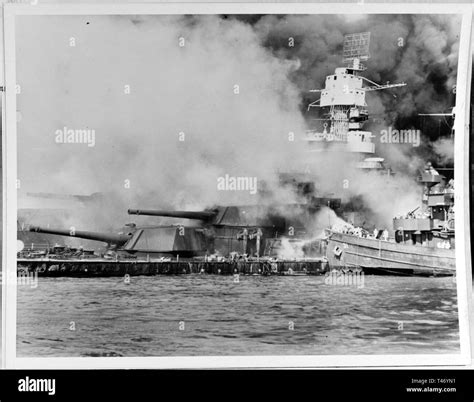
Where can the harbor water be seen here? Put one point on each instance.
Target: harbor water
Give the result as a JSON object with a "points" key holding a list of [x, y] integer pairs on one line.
{"points": [[218, 315]]}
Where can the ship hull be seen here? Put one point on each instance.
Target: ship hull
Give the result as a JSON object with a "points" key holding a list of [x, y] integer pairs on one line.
{"points": [[373, 256]]}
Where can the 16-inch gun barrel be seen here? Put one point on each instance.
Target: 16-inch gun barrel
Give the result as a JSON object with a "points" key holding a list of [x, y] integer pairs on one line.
{"points": [[198, 215], [111, 238]]}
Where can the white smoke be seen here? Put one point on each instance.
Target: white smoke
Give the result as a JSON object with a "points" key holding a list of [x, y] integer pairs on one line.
{"points": [[226, 94]]}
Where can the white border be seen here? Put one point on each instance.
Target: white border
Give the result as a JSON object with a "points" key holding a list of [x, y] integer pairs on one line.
{"points": [[461, 185], [461, 181], [3, 271], [9, 190]]}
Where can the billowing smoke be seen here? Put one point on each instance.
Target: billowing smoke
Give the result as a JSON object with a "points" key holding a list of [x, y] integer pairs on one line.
{"points": [[169, 120], [421, 51], [291, 248], [178, 102], [444, 149]]}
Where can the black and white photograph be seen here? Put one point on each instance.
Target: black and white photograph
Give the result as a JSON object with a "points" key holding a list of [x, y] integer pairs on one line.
{"points": [[239, 185]]}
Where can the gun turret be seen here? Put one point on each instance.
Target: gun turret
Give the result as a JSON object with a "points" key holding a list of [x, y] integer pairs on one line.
{"points": [[205, 215], [110, 238]]}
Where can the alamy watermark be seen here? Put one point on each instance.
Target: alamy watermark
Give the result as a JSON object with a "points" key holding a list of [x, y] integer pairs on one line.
{"points": [[75, 136], [392, 136], [23, 278], [28, 384], [239, 183], [345, 278]]}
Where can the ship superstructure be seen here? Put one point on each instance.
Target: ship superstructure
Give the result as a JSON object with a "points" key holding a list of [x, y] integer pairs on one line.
{"points": [[431, 225], [344, 98], [423, 243]]}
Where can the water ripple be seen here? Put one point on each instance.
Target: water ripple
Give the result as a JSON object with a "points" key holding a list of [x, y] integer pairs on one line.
{"points": [[212, 315]]}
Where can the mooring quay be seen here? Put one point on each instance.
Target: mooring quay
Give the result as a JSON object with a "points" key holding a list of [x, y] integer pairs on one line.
{"points": [[89, 268]]}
